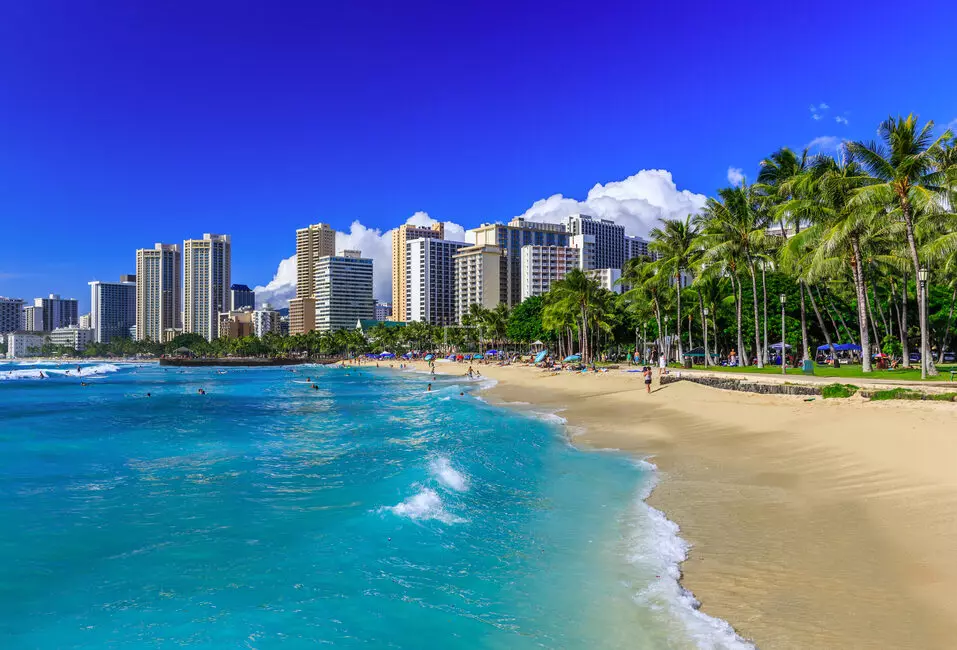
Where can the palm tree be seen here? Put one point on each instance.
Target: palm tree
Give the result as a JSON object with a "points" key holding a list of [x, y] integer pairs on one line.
{"points": [[909, 184], [578, 290], [677, 246]]}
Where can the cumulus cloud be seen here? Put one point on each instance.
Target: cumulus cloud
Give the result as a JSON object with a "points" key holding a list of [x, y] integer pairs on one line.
{"points": [[735, 175], [840, 120], [637, 202], [825, 143]]}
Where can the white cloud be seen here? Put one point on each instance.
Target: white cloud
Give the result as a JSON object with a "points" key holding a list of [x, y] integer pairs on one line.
{"points": [[735, 175], [817, 116], [825, 143], [637, 202], [823, 106], [841, 120]]}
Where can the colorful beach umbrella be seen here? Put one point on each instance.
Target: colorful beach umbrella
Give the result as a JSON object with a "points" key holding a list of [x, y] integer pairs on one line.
{"points": [[573, 357], [541, 356]]}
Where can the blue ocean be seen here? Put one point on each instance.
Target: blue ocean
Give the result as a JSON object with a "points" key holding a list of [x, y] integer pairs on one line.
{"points": [[313, 506]]}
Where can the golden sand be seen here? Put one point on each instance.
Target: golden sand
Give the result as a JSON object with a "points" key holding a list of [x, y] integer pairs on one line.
{"points": [[813, 524]]}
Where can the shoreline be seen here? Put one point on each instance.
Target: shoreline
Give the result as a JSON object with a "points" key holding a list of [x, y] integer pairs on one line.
{"points": [[811, 524]]}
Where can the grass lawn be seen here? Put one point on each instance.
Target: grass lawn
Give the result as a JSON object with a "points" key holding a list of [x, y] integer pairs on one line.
{"points": [[911, 374]]}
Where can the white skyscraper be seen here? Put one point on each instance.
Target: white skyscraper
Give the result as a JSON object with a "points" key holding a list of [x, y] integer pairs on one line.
{"points": [[481, 278], [112, 308], [206, 282], [265, 320], [430, 280], [158, 292], [343, 291], [610, 248], [543, 265]]}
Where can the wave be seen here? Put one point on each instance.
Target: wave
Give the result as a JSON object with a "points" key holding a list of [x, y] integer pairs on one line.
{"points": [[447, 475], [657, 547], [84, 371], [423, 506]]}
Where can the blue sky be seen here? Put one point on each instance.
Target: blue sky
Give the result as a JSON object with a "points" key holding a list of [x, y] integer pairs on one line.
{"points": [[123, 124]]}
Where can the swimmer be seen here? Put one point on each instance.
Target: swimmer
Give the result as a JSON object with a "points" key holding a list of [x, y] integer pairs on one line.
{"points": [[461, 394], [83, 383], [148, 395], [315, 387], [430, 388]]}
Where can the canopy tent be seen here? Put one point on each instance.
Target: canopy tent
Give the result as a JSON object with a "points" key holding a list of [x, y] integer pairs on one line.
{"points": [[541, 356], [777, 346], [696, 352], [183, 352], [840, 347], [491, 353], [572, 358], [537, 343]]}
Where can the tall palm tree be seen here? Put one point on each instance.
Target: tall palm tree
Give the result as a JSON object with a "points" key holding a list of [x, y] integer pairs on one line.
{"points": [[909, 184], [580, 290], [677, 246], [736, 228]]}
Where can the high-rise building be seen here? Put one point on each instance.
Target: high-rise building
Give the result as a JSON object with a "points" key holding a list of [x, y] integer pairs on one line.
{"points": [[610, 248], [32, 320], [159, 292], [510, 238], [543, 265], [241, 296], [608, 279], [585, 245], [112, 308], [481, 278], [636, 247], [430, 280], [383, 311], [57, 312], [11, 314], [343, 291], [400, 237], [206, 281], [265, 320], [312, 242], [86, 320], [236, 324]]}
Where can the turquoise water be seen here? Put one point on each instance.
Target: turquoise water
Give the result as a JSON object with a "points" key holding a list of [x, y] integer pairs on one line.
{"points": [[365, 514]]}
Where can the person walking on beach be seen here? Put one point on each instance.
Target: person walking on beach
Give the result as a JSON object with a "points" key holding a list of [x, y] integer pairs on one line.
{"points": [[661, 365], [646, 373]]}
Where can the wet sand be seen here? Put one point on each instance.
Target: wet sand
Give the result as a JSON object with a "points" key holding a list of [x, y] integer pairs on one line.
{"points": [[813, 524]]}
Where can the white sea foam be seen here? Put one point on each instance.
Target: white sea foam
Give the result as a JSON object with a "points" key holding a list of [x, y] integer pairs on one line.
{"points": [[658, 548], [85, 371], [424, 505], [447, 475]]}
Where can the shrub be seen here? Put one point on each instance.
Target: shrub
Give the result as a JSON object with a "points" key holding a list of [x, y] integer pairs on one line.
{"points": [[838, 390]]}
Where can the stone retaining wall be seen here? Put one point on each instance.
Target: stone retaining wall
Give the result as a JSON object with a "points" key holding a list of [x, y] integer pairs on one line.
{"points": [[745, 385]]}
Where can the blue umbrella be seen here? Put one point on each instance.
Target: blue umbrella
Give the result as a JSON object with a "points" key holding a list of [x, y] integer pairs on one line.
{"points": [[492, 352], [573, 357], [429, 357], [387, 355], [478, 356], [541, 356]]}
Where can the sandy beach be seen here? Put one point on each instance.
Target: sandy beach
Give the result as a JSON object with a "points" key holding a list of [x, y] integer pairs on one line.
{"points": [[813, 524]]}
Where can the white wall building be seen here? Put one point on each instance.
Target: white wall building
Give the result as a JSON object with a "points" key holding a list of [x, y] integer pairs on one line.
{"points": [[429, 280], [543, 265], [11, 314], [207, 264], [24, 344], [585, 245], [343, 290], [73, 337], [53, 312], [265, 320], [112, 308], [159, 294], [32, 320], [481, 278], [607, 278], [610, 248]]}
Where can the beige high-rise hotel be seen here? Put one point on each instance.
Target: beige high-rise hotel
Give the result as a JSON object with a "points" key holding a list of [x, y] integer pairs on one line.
{"points": [[159, 294], [312, 242], [400, 236], [207, 264]]}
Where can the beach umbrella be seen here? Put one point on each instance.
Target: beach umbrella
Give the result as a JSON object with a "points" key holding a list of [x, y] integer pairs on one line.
{"points": [[387, 355], [492, 352], [777, 346], [541, 356], [573, 357], [478, 356], [429, 357]]}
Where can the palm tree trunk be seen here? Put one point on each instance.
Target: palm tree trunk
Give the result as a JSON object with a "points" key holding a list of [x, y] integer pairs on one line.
{"points": [[704, 324], [905, 347], [738, 299], [950, 316], [858, 271], [921, 300], [873, 321], [759, 349], [804, 339], [820, 322], [764, 290], [678, 324]]}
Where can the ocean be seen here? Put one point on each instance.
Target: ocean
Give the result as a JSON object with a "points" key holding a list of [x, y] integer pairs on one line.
{"points": [[364, 513]]}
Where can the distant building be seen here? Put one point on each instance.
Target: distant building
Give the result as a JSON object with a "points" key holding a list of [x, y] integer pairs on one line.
{"points": [[610, 249], [11, 313], [241, 296], [24, 344], [159, 296], [511, 238], [32, 320], [607, 278], [481, 278], [73, 337], [585, 245], [207, 264], [236, 324], [543, 265], [112, 308], [343, 291], [86, 321], [636, 247], [429, 280], [312, 242], [266, 320], [400, 237], [57, 312], [383, 310]]}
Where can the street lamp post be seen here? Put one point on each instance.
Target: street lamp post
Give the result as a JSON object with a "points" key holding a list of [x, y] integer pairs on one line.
{"points": [[666, 347], [784, 367], [922, 276], [635, 357], [707, 353]]}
